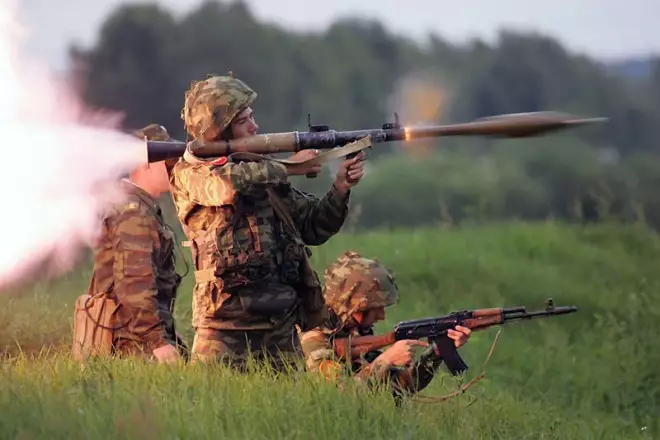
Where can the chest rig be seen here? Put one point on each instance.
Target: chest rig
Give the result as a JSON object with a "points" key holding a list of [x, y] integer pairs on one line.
{"points": [[242, 243]]}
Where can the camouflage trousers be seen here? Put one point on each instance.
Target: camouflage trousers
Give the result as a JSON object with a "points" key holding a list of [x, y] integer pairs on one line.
{"points": [[126, 347], [279, 349]]}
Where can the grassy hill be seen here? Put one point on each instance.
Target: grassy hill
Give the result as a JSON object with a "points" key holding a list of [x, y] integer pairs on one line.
{"points": [[592, 374]]}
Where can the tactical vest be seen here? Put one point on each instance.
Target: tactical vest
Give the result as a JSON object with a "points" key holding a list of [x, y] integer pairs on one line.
{"points": [[248, 249]]}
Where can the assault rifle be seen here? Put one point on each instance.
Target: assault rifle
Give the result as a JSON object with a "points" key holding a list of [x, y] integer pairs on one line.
{"points": [[435, 331], [322, 137]]}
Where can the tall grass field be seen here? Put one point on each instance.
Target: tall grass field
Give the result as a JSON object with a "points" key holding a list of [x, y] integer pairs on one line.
{"points": [[594, 374]]}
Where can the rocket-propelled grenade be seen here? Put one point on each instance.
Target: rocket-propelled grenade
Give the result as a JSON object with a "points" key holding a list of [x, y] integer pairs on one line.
{"points": [[514, 125]]}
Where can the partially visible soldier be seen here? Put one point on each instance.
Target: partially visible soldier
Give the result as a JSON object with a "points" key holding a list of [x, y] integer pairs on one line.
{"points": [[248, 230], [357, 291], [134, 265]]}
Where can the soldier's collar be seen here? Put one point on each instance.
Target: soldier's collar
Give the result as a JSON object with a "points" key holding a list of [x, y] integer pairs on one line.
{"points": [[136, 189]]}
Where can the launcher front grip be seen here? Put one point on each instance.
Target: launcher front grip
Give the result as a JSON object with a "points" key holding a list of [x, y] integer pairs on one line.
{"points": [[348, 156]]}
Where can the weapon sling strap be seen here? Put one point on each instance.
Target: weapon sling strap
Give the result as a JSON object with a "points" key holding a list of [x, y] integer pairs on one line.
{"points": [[283, 213], [463, 389]]}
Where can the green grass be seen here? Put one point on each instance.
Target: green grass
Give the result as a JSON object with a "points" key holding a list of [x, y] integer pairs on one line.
{"points": [[592, 374]]}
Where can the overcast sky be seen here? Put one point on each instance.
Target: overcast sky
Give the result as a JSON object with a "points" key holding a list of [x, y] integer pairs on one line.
{"points": [[606, 29]]}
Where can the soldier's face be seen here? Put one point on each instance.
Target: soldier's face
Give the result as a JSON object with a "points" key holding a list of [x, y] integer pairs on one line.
{"points": [[244, 124], [370, 316]]}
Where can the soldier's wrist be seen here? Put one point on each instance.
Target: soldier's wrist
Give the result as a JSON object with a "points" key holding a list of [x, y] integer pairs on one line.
{"points": [[339, 193], [379, 369], [159, 344]]}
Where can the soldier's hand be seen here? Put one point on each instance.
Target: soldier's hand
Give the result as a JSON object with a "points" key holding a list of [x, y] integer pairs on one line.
{"points": [[304, 168], [460, 336], [401, 353], [350, 172], [167, 354]]}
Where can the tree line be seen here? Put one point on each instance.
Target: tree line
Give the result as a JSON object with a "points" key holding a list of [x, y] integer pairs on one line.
{"points": [[356, 74]]}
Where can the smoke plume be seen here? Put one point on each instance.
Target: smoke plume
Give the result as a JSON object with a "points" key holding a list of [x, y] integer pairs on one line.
{"points": [[61, 163], [419, 98]]}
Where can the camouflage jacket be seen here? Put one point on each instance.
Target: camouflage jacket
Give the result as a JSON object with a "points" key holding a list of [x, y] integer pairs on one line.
{"points": [[247, 267], [134, 262], [320, 357]]}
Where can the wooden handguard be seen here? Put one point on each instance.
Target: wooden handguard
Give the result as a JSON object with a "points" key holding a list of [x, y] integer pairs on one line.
{"points": [[482, 323], [480, 313]]}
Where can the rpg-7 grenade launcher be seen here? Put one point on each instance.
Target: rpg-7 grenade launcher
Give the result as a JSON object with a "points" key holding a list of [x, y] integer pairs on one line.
{"points": [[322, 137]]}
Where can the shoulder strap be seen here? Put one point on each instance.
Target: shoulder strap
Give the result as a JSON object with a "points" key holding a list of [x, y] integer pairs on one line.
{"points": [[283, 213], [313, 301]]}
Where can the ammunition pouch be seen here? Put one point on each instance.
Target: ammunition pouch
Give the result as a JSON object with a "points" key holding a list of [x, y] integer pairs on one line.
{"points": [[93, 321], [290, 267], [271, 305], [244, 295], [236, 266]]}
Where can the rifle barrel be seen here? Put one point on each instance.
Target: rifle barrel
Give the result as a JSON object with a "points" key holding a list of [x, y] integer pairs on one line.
{"points": [[541, 313]]}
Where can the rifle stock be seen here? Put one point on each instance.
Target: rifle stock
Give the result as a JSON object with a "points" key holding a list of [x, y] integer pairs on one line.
{"points": [[361, 345]]}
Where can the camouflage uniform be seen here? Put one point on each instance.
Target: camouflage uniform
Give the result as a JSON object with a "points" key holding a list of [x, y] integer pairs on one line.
{"points": [[356, 284], [134, 262], [247, 296]]}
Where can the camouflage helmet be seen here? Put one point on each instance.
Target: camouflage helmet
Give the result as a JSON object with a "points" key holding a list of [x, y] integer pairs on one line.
{"points": [[153, 132], [355, 284], [210, 105]]}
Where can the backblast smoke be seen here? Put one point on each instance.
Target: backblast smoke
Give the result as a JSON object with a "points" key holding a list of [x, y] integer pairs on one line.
{"points": [[60, 168]]}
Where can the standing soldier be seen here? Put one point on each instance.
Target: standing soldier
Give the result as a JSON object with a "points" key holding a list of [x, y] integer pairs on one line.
{"points": [[357, 291], [249, 230], [128, 309]]}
